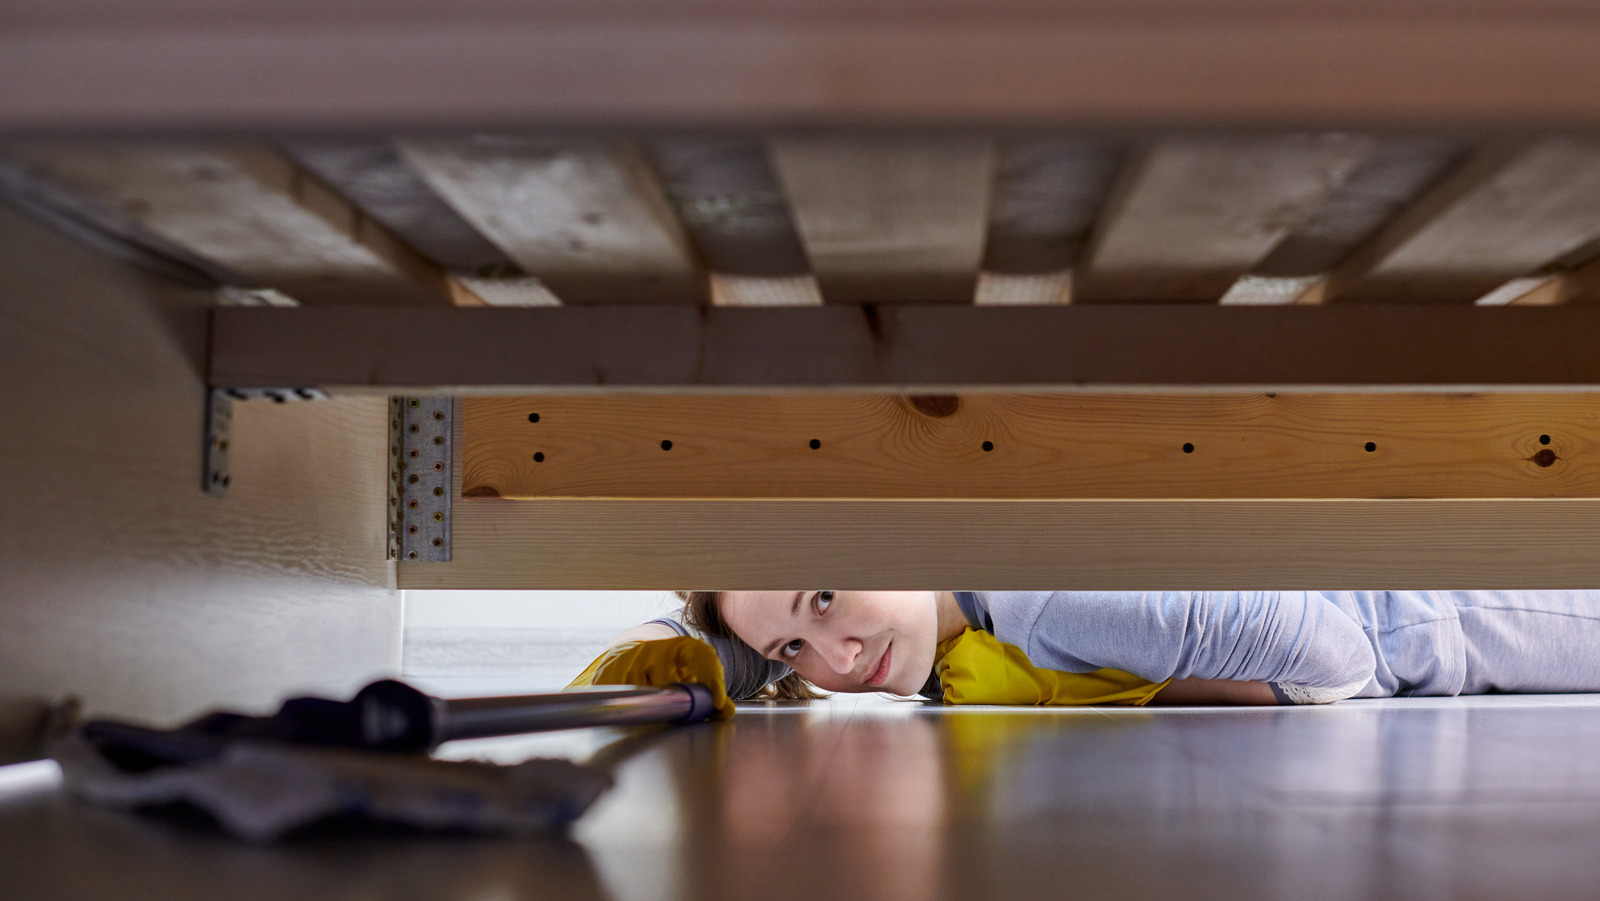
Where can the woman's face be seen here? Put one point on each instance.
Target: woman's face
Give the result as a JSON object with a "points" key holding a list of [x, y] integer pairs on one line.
{"points": [[841, 640]]}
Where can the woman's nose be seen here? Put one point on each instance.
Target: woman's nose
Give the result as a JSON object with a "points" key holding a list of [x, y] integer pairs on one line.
{"points": [[840, 654]]}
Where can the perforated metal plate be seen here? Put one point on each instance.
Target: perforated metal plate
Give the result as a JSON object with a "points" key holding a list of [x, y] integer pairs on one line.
{"points": [[215, 477], [419, 478]]}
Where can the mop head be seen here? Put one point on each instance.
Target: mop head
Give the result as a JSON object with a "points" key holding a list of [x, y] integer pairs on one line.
{"points": [[262, 791]]}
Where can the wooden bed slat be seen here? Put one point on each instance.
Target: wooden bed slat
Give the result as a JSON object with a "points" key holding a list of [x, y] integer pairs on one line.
{"points": [[1034, 446], [729, 200], [371, 174], [1505, 214], [249, 209], [920, 349], [1193, 215], [1106, 545], [1047, 194], [888, 219], [1399, 171], [589, 219]]}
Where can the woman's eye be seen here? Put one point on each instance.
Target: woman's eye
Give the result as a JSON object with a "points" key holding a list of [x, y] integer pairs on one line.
{"points": [[824, 598], [792, 648]]}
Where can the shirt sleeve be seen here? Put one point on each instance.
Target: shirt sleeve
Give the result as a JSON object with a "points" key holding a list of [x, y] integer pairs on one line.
{"points": [[1309, 649]]}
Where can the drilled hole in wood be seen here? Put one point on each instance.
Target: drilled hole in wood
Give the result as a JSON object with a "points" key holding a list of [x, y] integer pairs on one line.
{"points": [[988, 445], [815, 444], [533, 417], [538, 457], [666, 445], [1188, 448], [1371, 447], [1544, 439]]}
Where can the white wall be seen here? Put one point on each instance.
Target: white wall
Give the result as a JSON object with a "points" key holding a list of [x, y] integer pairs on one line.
{"points": [[463, 643], [614, 610], [122, 582]]}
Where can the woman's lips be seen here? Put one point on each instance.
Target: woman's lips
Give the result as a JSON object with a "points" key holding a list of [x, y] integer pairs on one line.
{"points": [[881, 674]]}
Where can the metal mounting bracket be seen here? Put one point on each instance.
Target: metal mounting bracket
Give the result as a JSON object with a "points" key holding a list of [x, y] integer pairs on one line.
{"points": [[215, 476], [419, 479]]}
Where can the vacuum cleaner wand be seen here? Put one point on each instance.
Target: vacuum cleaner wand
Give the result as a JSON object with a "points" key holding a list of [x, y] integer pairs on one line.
{"points": [[393, 716]]}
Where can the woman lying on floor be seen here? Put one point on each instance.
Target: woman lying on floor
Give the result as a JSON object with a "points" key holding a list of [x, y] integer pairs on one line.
{"points": [[1085, 647]]}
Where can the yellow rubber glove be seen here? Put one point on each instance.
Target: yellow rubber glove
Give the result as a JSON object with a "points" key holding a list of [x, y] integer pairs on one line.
{"points": [[977, 668], [661, 663]]}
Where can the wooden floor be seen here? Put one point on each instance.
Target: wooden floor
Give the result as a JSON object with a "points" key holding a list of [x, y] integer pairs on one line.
{"points": [[1415, 799]]}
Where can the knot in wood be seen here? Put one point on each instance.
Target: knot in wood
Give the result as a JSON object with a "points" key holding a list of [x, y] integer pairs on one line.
{"points": [[935, 405]]}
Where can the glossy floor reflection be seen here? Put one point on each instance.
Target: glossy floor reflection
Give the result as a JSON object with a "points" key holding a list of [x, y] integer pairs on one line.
{"points": [[1416, 799]]}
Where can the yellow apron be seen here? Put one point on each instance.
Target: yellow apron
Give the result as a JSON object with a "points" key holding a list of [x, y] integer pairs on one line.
{"points": [[977, 668]]}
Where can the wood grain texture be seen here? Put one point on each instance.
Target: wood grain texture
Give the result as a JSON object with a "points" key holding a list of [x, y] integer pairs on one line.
{"points": [[890, 219], [1193, 215], [588, 218], [1038, 447], [123, 582], [342, 66], [937, 349], [1110, 545], [249, 209], [1505, 214]]}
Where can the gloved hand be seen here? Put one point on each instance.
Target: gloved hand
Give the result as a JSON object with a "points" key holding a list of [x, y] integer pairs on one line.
{"points": [[661, 663], [977, 668]]}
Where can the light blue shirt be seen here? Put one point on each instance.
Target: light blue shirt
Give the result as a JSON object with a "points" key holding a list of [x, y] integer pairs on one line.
{"points": [[1311, 646]]}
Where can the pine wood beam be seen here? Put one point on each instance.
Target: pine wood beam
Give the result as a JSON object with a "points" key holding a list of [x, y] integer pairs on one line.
{"points": [[1109, 545], [918, 349], [1000, 446], [89, 64]]}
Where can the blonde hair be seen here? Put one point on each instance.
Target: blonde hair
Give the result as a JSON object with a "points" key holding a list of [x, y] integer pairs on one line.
{"points": [[700, 613]]}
